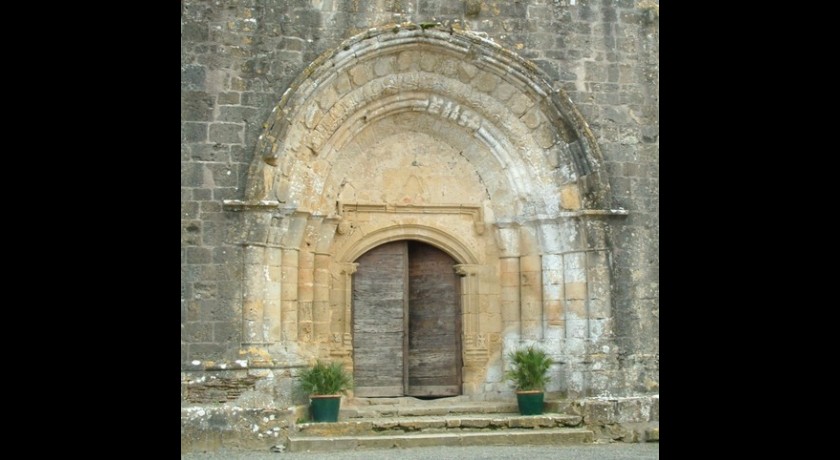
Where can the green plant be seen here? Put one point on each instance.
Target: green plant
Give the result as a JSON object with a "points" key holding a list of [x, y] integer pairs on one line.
{"points": [[529, 368], [325, 379]]}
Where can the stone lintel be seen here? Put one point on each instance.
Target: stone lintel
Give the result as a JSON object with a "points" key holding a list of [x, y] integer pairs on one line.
{"points": [[476, 212]]}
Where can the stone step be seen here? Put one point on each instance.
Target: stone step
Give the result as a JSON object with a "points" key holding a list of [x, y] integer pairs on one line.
{"points": [[423, 439], [449, 422], [457, 421], [407, 406], [413, 410]]}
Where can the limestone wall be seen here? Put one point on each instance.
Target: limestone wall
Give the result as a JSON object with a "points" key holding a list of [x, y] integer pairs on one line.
{"points": [[241, 302]]}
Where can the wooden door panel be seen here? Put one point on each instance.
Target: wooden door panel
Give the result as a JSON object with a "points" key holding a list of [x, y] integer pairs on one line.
{"points": [[434, 323], [379, 321]]}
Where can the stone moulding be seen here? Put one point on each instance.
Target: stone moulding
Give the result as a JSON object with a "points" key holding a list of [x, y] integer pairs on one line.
{"points": [[279, 139], [259, 206], [475, 212]]}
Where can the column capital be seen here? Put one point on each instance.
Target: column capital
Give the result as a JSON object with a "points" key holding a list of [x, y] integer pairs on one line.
{"points": [[349, 268], [466, 269]]}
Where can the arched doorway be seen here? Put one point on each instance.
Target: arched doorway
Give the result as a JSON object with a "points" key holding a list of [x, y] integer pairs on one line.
{"points": [[440, 137], [406, 322]]}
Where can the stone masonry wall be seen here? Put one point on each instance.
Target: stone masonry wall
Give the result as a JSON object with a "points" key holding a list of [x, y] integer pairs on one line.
{"points": [[239, 56]]}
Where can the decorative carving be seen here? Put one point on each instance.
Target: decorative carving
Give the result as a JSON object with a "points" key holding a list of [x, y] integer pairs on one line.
{"points": [[343, 227], [475, 212], [466, 269]]}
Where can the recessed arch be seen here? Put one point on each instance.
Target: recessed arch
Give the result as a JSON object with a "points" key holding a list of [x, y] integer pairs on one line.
{"points": [[452, 74], [444, 241], [524, 165]]}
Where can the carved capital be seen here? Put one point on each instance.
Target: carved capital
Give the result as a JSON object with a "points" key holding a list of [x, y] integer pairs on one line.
{"points": [[466, 269], [349, 269]]}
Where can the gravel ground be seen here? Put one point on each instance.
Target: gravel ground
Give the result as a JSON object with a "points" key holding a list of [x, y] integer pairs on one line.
{"points": [[614, 451]]}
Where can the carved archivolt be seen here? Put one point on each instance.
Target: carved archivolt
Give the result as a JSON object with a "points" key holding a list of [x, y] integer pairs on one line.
{"points": [[526, 138]]}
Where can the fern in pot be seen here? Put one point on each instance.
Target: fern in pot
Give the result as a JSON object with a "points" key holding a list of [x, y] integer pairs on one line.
{"points": [[325, 383], [529, 373]]}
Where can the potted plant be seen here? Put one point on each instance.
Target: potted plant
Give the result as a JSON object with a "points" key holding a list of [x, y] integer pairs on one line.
{"points": [[529, 372], [325, 383]]}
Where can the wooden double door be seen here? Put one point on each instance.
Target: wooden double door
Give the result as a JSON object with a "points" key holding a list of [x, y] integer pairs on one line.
{"points": [[406, 322]]}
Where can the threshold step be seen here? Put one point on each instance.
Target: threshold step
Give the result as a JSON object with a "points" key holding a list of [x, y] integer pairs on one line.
{"points": [[496, 438]]}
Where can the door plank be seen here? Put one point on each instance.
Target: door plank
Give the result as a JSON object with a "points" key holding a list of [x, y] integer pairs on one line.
{"points": [[434, 345], [379, 286]]}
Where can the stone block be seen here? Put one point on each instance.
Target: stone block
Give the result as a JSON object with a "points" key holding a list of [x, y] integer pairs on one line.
{"points": [[194, 32], [475, 422], [321, 444], [597, 412], [238, 114], [486, 82], [193, 132], [194, 332], [223, 175], [192, 174], [427, 440], [361, 74], [202, 194], [228, 98], [206, 351], [210, 153], [226, 133], [192, 77], [629, 411], [226, 332], [212, 310], [377, 442], [419, 425], [531, 422], [196, 106], [198, 255]]}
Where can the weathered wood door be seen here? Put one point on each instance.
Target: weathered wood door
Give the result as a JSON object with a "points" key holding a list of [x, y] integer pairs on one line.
{"points": [[434, 323], [406, 322], [379, 321]]}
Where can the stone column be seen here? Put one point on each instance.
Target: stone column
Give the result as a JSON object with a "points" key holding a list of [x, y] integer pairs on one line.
{"points": [[273, 292], [321, 298], [531, 304], [305, 283], [508, 238], [289, 294], [253, 298], [327, 231], [290, 275], [600, 301], [272, 273], [341, 301], [475, 346], [575, 289], [263, 226], [553, 295]]}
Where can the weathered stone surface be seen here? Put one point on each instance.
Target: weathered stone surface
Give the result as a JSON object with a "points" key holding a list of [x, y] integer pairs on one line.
{"points": [[531, 422], [196, 106], [482, 146], [225, 133], [475, 423], [599, 412]]}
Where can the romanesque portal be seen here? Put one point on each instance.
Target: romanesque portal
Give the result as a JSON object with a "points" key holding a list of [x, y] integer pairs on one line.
{"points": [[420, 203]]}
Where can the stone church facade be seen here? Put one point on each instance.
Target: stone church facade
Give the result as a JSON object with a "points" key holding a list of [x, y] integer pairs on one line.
{"points": [[415, 188]]}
